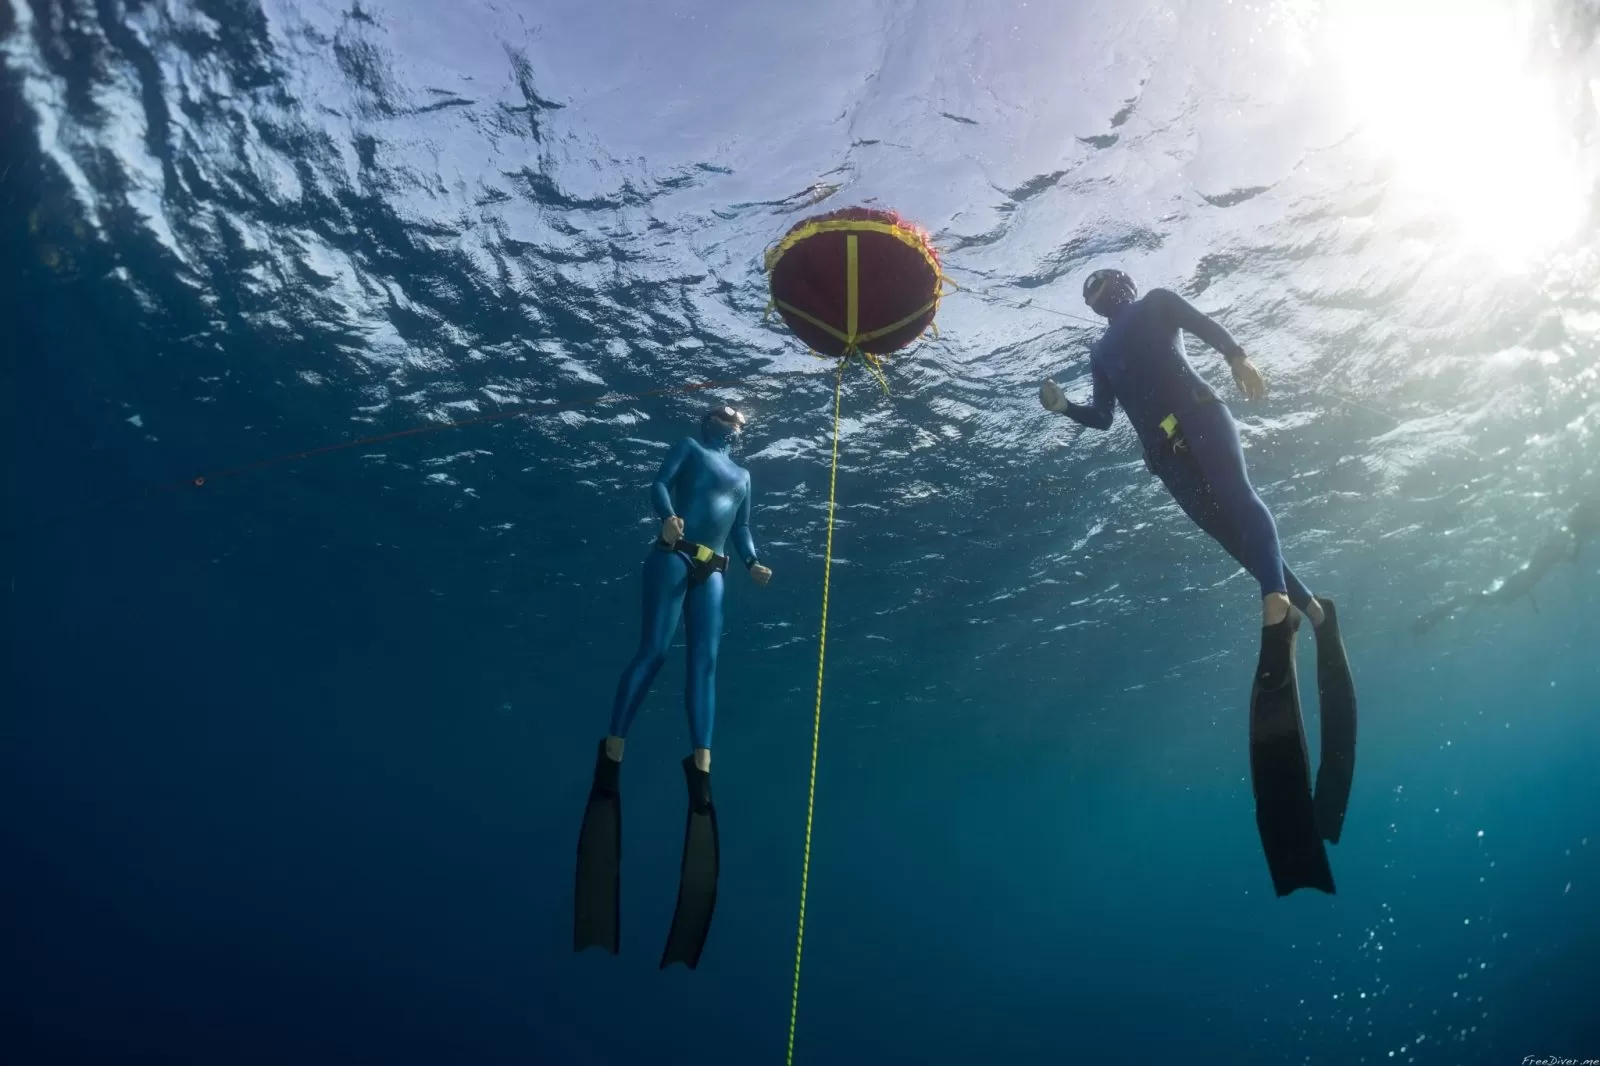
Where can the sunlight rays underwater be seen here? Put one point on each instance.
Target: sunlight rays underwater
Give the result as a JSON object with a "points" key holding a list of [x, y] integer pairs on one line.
{"points": [[1450, 94]]}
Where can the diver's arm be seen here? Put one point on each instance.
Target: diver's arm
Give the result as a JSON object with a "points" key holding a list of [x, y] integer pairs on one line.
{"points": [[1097, 413], [661, 488], [743, 540], [1181, 313]]}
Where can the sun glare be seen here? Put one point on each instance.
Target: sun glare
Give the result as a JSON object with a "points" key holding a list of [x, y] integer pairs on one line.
{"points": [[1447, 92]]}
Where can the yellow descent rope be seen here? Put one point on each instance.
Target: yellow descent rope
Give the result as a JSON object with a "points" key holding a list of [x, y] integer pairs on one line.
{"points": [[816, 723]]}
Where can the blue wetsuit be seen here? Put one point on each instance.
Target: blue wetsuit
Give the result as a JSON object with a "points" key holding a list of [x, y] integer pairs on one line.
{"points": [[700, 483], [1140, 362]]}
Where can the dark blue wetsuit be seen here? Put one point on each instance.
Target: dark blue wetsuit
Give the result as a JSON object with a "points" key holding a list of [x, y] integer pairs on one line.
{"points": [[700, 483], [1140, 362]]}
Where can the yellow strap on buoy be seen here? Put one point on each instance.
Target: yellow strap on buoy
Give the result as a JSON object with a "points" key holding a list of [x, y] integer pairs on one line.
{"points": [[816, 723], [852, 291], [904, 235]]}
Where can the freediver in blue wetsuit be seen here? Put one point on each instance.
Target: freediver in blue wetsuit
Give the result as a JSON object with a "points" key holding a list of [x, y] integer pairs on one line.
{"points": [[1563, 546], [703, 499], [1192, 444]]}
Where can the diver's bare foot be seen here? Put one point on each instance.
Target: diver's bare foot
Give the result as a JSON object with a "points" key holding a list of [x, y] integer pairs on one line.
{"points": [[1315, 612], [1275, 608]]}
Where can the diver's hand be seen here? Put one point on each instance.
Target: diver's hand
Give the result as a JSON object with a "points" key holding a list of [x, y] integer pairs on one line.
{"points": [[672, 530], [1248, 378], [1052, 397], [761, 574]]}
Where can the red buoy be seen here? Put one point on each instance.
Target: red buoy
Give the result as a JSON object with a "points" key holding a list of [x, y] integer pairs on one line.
{"points": [[855, 281]]}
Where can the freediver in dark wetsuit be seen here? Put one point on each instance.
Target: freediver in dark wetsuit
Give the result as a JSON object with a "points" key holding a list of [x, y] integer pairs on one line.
{"points": [[1192, 444], [1562, 547], [703, 499]]}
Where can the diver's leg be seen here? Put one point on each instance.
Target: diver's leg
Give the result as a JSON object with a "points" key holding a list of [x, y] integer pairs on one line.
{"points": [[1214, 442], [1189, 488], [1202, 505], [666, 579], [703, 615], [1280, 772], [1301, 596], [697, 879], [1183, 479]]}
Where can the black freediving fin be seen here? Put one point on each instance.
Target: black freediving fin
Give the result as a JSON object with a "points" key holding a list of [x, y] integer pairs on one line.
{"points": [[1280, 769], [697, 884], [597, 903], [1336, 707]]}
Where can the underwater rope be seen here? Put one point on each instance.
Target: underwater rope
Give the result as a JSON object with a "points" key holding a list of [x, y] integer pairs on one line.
{"points": [[816, 722]]}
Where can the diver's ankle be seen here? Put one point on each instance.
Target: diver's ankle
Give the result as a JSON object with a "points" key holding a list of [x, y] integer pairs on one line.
{"points": [[702, 760], [614, 748], [1275, 607]]}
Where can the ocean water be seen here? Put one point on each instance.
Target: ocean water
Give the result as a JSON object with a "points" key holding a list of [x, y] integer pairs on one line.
{"points": [[342, 342]]}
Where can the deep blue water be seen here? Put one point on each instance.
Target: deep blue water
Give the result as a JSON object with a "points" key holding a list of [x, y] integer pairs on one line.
{"points": [[292, 761]]}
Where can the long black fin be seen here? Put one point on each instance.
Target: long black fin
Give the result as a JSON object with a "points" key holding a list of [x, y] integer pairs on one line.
{"points": [[1280, 769], [697, 879], [1336, 707], [597, 901]]}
